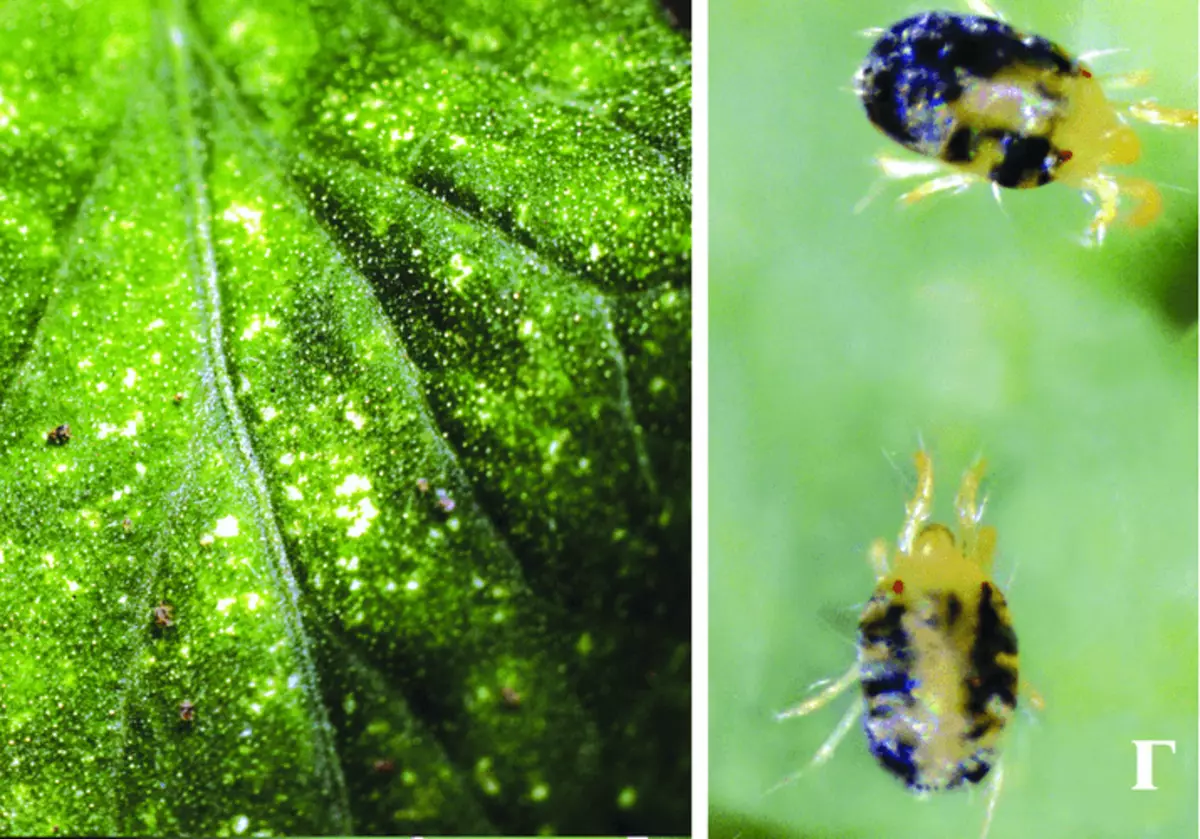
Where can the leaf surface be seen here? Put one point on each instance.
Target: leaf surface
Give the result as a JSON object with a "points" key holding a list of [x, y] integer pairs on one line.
{"points": [[371, 329]]}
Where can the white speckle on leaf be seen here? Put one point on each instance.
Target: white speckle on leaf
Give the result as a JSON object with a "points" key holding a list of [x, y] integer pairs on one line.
{"points": [[353, 484], [249, 218]]}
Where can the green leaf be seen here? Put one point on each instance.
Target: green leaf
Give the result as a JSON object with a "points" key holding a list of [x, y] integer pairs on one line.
{"points": [[839, 341], [370, 324]]}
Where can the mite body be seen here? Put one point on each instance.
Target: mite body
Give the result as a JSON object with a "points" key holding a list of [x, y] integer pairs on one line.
{"points": [[992, 103], [937, 654], [937, 662]]}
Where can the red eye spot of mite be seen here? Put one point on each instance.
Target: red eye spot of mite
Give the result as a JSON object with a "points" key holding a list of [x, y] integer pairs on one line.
{"points": [[898, 587], [1064, 156], [1084, 73]]}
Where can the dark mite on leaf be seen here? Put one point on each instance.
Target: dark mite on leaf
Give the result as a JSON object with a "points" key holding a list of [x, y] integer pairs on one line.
{"points": [[59, 436], [164, 615], [187, 711], [995, 104], [178, 398]]}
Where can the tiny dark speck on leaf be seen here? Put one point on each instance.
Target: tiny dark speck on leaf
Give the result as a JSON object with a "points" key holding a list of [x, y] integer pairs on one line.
{"points": [[187, 711], [59, 436], [163, 614]]}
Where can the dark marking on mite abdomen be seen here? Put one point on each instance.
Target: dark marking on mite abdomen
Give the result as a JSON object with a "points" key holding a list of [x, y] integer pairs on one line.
{"points": [[978, 772], [890, 680], [954, 609], [993, 637], [1028, 160], [960, 148], [884, 628], [897, 757], [981, 727]]}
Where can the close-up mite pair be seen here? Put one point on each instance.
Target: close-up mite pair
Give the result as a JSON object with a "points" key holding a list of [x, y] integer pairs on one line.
{"points": [[1018, 333], [937, 653]]}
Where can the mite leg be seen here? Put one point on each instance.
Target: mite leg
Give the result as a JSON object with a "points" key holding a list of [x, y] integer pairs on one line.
{"points": [[837, 735], [954, 182], [994, 785], [983, 9], [1148, 203], [879, 559], [918, 509], [1036, 701], [828, 694], [896, 169], [1155, 114], [828, 747], [1103, 191], [967, 503], [1149, 200], [1123, 81], [976, 541]]}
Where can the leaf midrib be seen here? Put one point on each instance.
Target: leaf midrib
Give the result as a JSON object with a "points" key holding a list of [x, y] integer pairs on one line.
{"points": [[217, 381]]}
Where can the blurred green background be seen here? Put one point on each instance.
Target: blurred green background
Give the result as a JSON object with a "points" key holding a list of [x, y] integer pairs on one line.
{"points": [[837, 340]]}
